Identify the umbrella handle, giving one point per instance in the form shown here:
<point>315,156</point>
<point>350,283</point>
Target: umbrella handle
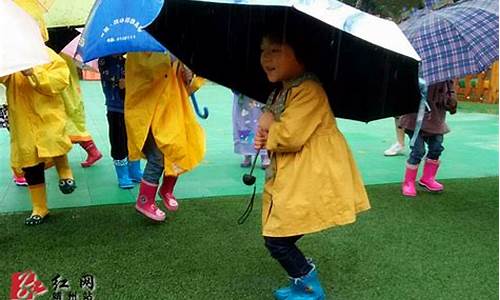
<point>197,109</point>
<point>249,179</point>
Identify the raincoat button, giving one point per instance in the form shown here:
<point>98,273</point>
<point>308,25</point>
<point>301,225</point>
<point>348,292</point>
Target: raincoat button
<point>166,75</point>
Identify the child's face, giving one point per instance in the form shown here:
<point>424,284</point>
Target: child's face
<point>279,61</point>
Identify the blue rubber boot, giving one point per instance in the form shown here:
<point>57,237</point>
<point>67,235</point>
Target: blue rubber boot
<point>134,170</point>
<point>121,167</point>
<point>284,292</point>
<point>307,287</point>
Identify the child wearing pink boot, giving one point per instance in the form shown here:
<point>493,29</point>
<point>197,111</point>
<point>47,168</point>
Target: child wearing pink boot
<point>161,126</point>
<point>441,98</point>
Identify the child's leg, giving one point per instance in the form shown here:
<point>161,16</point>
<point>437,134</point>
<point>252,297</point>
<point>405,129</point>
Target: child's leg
<point>121,169</point>
<point>154,164</point>
<point>167,193</point>
<point>93,153</point>
<point>118,140</point>
<point>66,182</point>
<point>247,161</point>
<point>264,159</point>
<point>417,151</point>
<point>145,203</point>
<point>134,170</point>
<point>117,135</point>
<point>435,146</point>
<point>304,279</point>
<point>284,250</point>
<point>399,146</point>
<point>153,172</point>
<point>428,179</point>
<point>36,185</point>
<point>416,154</point>
<point>119,153</point>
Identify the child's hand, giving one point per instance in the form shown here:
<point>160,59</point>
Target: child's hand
<point>27,72</point>
<point>266,119</point>
<point>261,138</point>
<point>187,75</point>
<point>121,83</point>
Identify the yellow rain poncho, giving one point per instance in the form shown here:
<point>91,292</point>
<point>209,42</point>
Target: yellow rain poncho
<point>316,184</point>
<point>157,99</point>
<point>75,127</point>
<point>36,113</point>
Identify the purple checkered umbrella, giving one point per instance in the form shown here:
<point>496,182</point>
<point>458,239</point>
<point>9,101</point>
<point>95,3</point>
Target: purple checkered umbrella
<point>456,40</point>
<point>430,3</point>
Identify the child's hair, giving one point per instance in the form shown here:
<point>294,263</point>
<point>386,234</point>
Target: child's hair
<point>280,34</point>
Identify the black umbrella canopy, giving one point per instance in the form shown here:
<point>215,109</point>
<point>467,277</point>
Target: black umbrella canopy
<point>221,42</point>
<point>59,37</point>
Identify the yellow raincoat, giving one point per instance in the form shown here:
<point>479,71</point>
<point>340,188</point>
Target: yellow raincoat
<point>316,184</point>
<point>36,113</point>
<point>75,125</point>
<point>156,99</point>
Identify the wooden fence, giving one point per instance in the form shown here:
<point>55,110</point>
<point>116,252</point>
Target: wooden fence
<point>482,87</point>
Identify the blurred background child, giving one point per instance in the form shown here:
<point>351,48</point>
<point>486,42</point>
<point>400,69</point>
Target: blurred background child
<point>246,113</point>
<point>441,98</point>
<point>112,69</point>
<point>76,126</point>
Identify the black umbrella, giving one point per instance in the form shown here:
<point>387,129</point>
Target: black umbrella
<point>59,37</point>
<point>221,41</point>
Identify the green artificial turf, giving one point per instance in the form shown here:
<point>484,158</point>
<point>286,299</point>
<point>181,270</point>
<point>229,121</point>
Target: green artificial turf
<point>476,107</point>
<point>435,246</point>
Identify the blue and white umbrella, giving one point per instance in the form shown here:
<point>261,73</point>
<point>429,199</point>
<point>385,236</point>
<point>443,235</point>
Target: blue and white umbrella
<point>116,26</point>
<point>456,40</point>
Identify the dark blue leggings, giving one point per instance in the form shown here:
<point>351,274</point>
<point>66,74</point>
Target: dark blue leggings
<point>434,147</point>
<point>284,250</point>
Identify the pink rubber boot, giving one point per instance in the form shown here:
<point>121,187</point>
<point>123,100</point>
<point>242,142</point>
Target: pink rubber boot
<point>19,180</point>
<point>428,179</point>
<point>409,183</point>
<point>145,203</point>
<point>167,193</point>
<point>93,154</point>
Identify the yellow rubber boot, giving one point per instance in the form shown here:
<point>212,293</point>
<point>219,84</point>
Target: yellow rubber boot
<point>66,182</point>
<point>39,201</point>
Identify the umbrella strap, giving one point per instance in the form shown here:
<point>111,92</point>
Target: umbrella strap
<point>247,212</point>
<point>421,111</point>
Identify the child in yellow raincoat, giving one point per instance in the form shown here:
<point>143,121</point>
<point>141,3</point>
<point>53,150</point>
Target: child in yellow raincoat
<point>75,126</point>
<point>37,123</point>
<point>161,126</point>
<point>312,183</point>
<point>37,129</point>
